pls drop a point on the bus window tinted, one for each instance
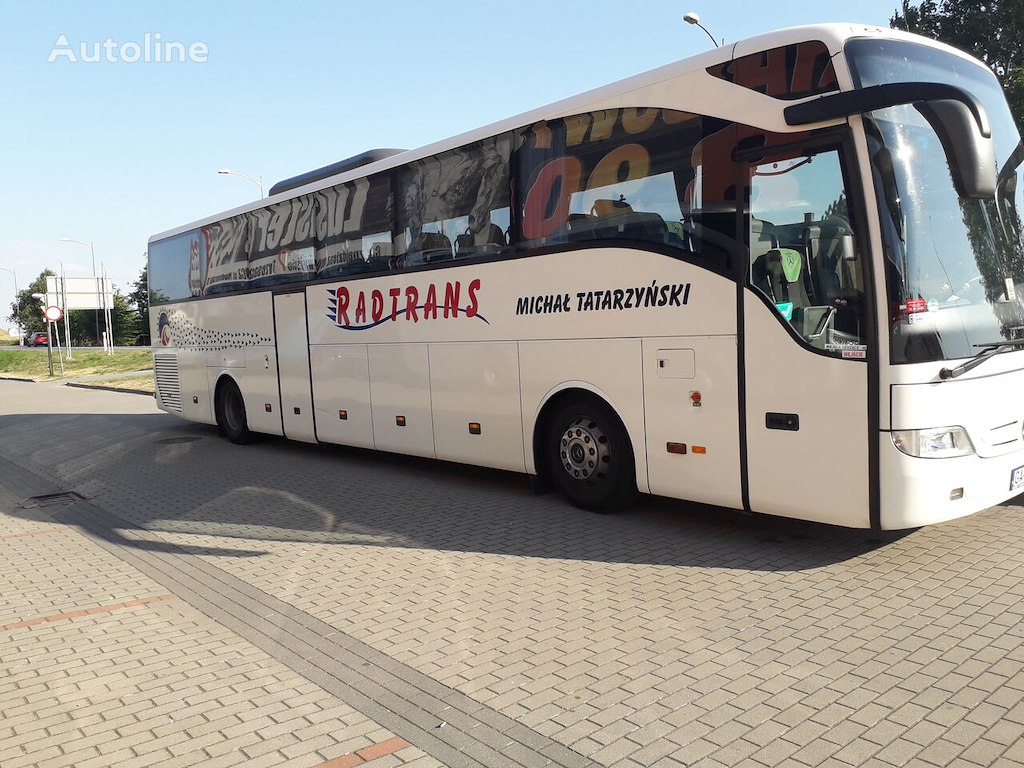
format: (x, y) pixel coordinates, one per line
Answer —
(635, 175)
(353, 227)
(454, 205)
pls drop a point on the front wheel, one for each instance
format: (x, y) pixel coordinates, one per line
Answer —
(589, 456)
(231, 418)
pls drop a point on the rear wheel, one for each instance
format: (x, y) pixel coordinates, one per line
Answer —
(589, 456)
(231, 418)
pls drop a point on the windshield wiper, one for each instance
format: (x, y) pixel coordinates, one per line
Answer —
(988, 350)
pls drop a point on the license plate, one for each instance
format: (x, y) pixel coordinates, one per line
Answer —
(1017, 478)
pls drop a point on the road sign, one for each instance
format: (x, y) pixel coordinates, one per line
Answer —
(79, 292)
(53, 313)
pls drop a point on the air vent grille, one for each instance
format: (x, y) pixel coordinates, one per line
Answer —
(168, 384)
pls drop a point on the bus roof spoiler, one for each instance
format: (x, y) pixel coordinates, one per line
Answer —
(956, 115)
(349, 164)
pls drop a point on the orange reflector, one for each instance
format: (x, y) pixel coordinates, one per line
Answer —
(699, 449)
(474, 428)
(675, 447)
(400, 421)
(343, 415)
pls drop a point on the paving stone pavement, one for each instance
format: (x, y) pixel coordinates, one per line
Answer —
(448, 609)
(100, 666)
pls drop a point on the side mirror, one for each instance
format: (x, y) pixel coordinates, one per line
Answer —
(956, 116)
(971, 156)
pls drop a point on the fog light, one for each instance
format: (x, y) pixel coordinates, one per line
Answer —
(956, 493)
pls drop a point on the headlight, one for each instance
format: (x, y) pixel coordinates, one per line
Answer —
(939, 443)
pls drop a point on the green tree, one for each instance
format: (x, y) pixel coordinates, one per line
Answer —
(27, 311)
(990, 30)
(124, 322)
(139, 298)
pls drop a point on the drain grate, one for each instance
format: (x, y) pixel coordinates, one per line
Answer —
(53, 499)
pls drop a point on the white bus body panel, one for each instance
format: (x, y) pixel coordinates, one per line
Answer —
(610, 368)
(916, 491)
(477, 383)
(675, 369)
(196, 393)
(987, 403)
(257, 380)
(467, 365)
(232, 336)
(820, 471)
(400, 398)
(341, 392)
(293, 365)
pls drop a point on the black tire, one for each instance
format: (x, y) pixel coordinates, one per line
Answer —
(589, 456)
(230, 408)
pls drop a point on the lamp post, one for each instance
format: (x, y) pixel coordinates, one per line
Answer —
(693, 18)
(257, 182)
(17, 312)
(49, 331)
(92, 251)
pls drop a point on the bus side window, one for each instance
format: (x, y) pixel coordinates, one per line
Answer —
(352, 227)
(627, 175)
(803, 256)
(454, 205)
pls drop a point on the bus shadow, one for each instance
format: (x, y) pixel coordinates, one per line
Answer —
(205, 496)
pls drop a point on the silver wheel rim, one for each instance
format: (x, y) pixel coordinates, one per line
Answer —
(583, 449)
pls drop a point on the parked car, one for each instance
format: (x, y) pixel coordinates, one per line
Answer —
(38, 339)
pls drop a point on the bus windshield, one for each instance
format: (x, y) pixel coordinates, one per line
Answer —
(954, 266)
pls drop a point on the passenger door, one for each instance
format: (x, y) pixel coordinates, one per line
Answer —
(805, 342)
(292, 338)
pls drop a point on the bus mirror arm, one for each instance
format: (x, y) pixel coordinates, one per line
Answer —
(958, 118)
(971, 158)
(874, 97)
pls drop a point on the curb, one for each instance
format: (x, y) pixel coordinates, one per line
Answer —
(108, 389)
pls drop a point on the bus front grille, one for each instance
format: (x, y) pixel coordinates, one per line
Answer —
(168, 385)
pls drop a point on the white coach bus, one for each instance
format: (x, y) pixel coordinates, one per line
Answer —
(783, 276)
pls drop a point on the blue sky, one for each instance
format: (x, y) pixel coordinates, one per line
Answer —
(112, 152)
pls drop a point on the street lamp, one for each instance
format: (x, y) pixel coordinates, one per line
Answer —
(17, 313)
(49, 332)
(257, 182)
(92, 250)
(693, 18)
